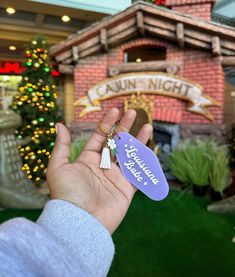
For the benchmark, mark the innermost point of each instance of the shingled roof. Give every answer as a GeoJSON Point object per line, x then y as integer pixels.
{"type": "Point", "coordinates": [146, 20]}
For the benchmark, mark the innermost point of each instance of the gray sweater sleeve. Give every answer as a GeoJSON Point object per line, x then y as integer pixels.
{"type": "Point", "coordinates": [65, 241]}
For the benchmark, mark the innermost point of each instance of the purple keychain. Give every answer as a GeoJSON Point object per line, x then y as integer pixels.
{"type": "Point", "coordinates": [140, 166]}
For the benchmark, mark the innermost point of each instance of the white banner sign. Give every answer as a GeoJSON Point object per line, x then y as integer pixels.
{"type": "Point", "coordinates": [147, 83]}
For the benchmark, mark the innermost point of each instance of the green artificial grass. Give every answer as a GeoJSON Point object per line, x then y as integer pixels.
{"type": "Point", "coordinates": [176, 237]}
{"type": "Point", "coordinates": [11, 213]}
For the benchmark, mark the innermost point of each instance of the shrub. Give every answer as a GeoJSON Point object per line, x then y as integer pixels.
{"type": "Point", "coordinates": [191, 159]}
{"type": "Point", "coordinates": [219, 174]}
{"type": "Point", "coordinates": [200, 162]}
{"type": "Point", "coordinates": [179, 166]}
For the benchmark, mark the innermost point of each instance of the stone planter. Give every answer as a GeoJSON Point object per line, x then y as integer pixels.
{"type": "Point", "coordinates": [16, 190]}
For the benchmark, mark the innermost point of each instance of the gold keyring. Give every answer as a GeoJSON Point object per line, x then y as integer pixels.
{"type": "Point", "coordinates": [113, 130]}
{"type": "Point", "coordinates": [102, 129]}
{"type": "Point", "coordinates": [119, 126]}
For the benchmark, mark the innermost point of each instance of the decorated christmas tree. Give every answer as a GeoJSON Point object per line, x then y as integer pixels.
{"type": "Point", "coordinates": [35, 102]}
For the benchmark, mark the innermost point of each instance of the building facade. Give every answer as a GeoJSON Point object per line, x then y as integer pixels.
{"type": "Point", "coordinates": [168, 64]}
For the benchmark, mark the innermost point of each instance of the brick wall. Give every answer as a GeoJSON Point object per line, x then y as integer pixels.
{"type": "Point", "coordinates": [196, 10]}
{"type": "Point", "coordinates": [198, 66]}
{"type": "Point", "coordinates": [206, 70]}
{"type": "Point", "coordinates": [199, 8]}
{"type": "Point", "coordinates": [87, 73]}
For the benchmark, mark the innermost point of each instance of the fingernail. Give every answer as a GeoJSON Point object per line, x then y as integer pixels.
{"type": "Point", "coordinates": [56, 129]}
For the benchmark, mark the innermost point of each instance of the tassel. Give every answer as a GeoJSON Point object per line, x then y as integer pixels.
{"type": "Point", "coordinates": [105, 158]}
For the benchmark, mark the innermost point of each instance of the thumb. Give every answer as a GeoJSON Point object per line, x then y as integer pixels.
{"type": "Point", "coordinates": [61, 151]}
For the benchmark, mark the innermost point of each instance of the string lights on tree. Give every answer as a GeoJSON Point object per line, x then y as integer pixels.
{"type": "Point", "coordinates": [36, 103]}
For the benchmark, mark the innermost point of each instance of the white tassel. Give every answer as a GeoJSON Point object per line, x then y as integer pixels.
{"type": "Point", "coordinates": [105, 158]}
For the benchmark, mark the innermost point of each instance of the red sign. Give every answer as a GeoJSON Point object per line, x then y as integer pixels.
{"type": "Point", "coordinates": [15, 68]}
{"type": "Point", "coordinates": [10, 68]}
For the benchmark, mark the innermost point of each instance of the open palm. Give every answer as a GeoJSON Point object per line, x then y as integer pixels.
{"type": "Point", "coordinates": [104, 193]}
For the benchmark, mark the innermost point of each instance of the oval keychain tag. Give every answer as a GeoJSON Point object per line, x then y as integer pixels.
{"type": "Point", "coordinates": [140, 166]}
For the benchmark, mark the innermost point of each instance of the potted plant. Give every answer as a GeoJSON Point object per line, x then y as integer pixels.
{"type": "Point", "coordinates": [197, 157]}
{"type": "Point", "coordinates": [179, 166]}
{"type": "Point", "coordinates": [191, 163]}
{"type": "Point", "coordinates": [219, 174]}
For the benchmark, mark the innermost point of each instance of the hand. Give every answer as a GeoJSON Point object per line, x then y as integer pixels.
{"type": "Point", "coordinates": [104, 193]}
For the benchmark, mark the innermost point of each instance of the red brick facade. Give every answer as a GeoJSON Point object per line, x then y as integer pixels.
{"type": "Point", "coordinates": [198, 66]}
{"type": "Point", "coordinates": [200, 8]}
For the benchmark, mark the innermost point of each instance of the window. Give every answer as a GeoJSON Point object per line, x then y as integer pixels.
{"type": "Point", "coordinates": [144, 54]}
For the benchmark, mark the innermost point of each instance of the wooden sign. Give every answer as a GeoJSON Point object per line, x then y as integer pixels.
{"type": "Point", "coordinates": [147, 83]}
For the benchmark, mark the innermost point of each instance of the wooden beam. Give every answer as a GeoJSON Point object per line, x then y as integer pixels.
{"type": "Point", "coordinates": [195, 35]}
{"type": "Point", "coordinates": [227, 44]}
{"type": "Point", "coordinates": [162, 23]}
{"type": "Point", "coordinates": [75, 53]}
{"type": "Point", "coordinates": [160, 32]}
{"type": "Point", "coordinates": [140, 22]}
{"type": "Point", "coordinates": [194, 42]}
{"type": "Point", "coordinates": [123, 36]}
{"type": "Point", "coordinates": [215, 45]}
{"type": "Point", "coordinates": [63, 56]}
{"type": "Point", "coordinates": [122, 26]}
{"type": "Point", "coordinates": [195, 38]}
{"type": "Point", "coordinates": [170, 67]}
{"type": "Point", "coordinates": [90, 51]}
{"type": "Point", "coordinates": [180, 34]}
{"type": "Point", "coordinates": [228, 61]}
{"type": "Point", "coordinates": [112, 21]}
{"type": "Point", "coordinates": [67, 61]}
{"type": "Point", "coordinates": [89, 43]}
{"type": "Point", "coordinates": [170, 18]}
{"type": "Point", "coordinates": [104, 40]}
{"type": "Point", "coordinates": [66, 69]}
{"type": "Point", "coordinates": [202, 25]}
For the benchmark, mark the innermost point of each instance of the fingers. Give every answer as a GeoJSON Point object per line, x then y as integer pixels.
{"type": "Point", "coordinates": [96, 141]}
{"type": "Point", "coordinates": [98, 138]}
{"type": "Point", "coordinates": [62, 146]}
{"type": "Point", "coordinates": [127, 121]}
{"type": "Point", "coordinates": [145, 133]}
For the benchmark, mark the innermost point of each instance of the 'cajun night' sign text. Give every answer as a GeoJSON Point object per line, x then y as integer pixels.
{"type": "Point", "coordinates": [146, 83]}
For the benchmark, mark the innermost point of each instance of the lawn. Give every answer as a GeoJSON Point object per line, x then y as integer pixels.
{"type": "Point", "coordinates": [175, 237]}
